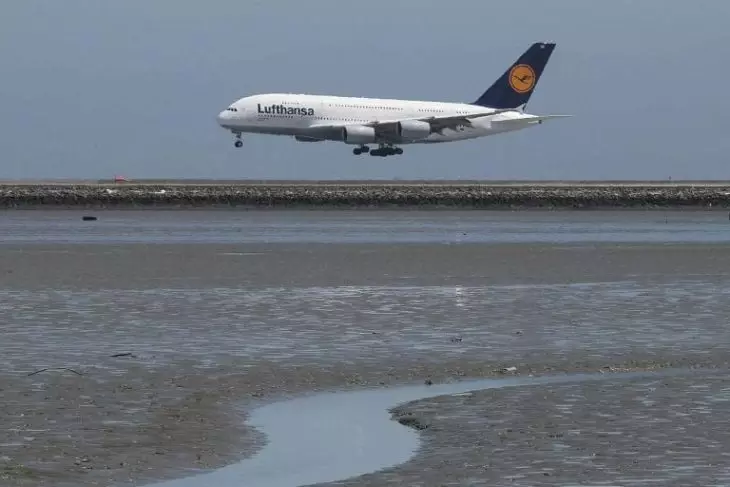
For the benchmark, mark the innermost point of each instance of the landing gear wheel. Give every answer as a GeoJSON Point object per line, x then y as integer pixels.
{"type": "Point", "coordinates": [238, 143]}
{"type": "Point", "coordinates": [384, 151]}
{"type": "Point", "coordinates": [365, 149]}
{"type": "Point", "coordinates": [357, 151]}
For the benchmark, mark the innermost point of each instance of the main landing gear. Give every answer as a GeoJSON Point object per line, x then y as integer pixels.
{"type": "Point", "coordinates": [239, 142]}
{"type": "Point", "coordinates": [382, 151]}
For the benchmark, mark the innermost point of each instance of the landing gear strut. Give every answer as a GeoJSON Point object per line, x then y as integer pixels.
{"type": "Point", "coordinates": [239, 142]}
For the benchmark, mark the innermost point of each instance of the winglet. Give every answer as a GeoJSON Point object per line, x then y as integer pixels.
{"type": "Point", "coordinates": [514, 88]}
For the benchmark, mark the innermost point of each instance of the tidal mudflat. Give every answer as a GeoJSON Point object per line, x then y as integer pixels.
{"type": "Point", "coordinates": [646, 431]}
{"type": "Point", "coordinates": [172, 346]}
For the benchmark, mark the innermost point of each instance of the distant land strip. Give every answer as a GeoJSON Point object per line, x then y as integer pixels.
{"type": "Point", "coordinates": [369, 193]}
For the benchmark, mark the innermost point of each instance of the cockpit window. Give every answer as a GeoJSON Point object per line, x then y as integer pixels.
{"type": "Point", "coordinates": [232, 109]}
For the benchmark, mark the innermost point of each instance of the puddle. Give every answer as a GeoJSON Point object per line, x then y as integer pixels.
{"type": "Point", "coordinates": [334, 436]}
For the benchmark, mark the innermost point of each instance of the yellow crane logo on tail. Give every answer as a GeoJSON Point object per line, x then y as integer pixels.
{"type": "Point", "coordinates": [522, 78]}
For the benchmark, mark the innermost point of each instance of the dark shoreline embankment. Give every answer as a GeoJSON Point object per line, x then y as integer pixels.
{"type": "Point", "coordinates": [485, 195]}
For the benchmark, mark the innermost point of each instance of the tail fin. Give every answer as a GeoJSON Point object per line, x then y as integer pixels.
{"type": "Point", "coordinates": [518, 83]}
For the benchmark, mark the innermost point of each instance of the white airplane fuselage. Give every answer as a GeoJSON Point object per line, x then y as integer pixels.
{"type": "Point", "coordinates": [389, 123]}
{"type": "Point", "coordinates": [307, 115]}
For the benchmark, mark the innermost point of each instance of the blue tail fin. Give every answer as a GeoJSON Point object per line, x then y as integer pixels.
{"type": "Point", "coordinates": [518, 83]}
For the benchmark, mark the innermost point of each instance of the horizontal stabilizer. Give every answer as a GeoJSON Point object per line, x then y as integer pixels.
{"type": "Point", "coordinates": [526, 120]}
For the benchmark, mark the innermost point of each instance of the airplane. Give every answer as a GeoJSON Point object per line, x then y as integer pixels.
{"type": "Point", "coordinates": [390, 123]}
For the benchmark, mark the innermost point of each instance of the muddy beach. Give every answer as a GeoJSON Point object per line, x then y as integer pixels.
{"type": "Point", "coordinates": [207, 332]}
{"type": "Point", "coordinates": [668, 430]}
{"type": "Point", "coordinates": [140, 427]}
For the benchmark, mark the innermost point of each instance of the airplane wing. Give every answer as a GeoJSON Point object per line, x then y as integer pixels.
{"type": "Point", "coordinates": [438, 123]}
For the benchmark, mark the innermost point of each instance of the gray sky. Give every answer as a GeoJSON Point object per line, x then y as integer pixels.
{"type": "Point", "coordinates": [95, 88]}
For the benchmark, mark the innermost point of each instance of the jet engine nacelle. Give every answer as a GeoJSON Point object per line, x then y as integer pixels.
{"type": "Point", "coordinates": [409, 130]}
{"type": "Point", "coordinates": [358, 134]}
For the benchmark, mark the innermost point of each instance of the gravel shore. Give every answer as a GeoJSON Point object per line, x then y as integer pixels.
{"type": "Point", "coordinates": [332, 195]}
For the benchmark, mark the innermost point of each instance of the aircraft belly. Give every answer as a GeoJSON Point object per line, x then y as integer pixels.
{"type": "Point", "coordinates": [270, 129]}
{"type": "Point", "coordinates": [273, 125]}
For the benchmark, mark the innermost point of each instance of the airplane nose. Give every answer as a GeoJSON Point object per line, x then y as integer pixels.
{"type": "Point", "coordinates": [223, 117]}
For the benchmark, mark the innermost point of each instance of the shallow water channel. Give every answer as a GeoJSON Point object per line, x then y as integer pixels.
{"type": "Point", "coordinates": [337, 435]}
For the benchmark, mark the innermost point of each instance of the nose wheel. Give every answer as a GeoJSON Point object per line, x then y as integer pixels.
{"type": "Point", "coordinates": [238, 143]}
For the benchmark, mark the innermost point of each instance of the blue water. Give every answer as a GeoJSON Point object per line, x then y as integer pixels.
{"type": "Point", "coordinates": [362, 226]}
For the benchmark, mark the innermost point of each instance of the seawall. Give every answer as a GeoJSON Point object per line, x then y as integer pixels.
{"type": "Point", "coordinates": [338, 194]}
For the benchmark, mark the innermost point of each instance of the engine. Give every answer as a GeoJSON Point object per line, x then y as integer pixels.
{"type": "Point", "coordinates": [410, 130]}
{"type": "Point", "coordinates": [304, 138]}
{"type": "Point", "coordinates": [358, 134]}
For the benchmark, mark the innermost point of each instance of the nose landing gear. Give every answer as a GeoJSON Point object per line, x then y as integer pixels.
{"type": "Point", "coordinates": [239, 142]}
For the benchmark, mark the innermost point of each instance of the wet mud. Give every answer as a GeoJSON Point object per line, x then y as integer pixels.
{"type": "Point", "coordinates": [202, 337]}
{"type": "Point", "coordinates": [65, 429]}
{"type": "Point", "coordinates": [648, 431]}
